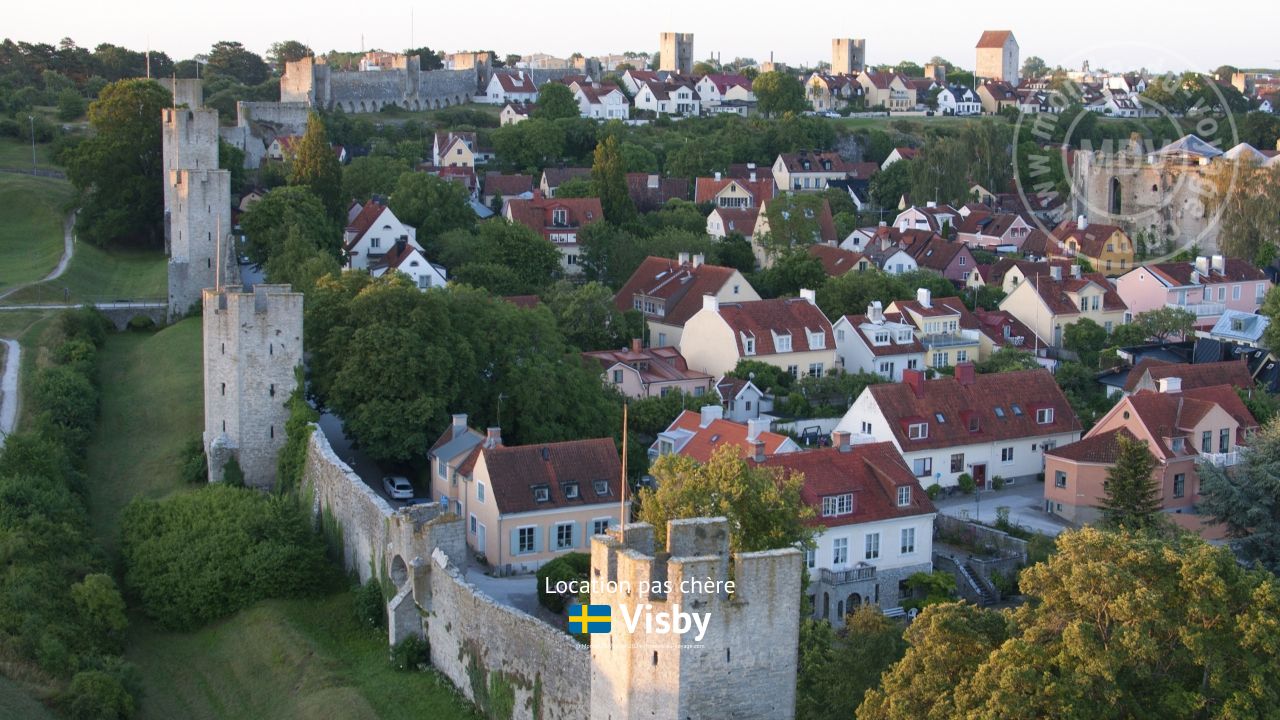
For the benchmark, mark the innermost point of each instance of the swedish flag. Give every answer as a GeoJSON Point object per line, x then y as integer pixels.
{"type": "Point", "coordinates": [590, 618]}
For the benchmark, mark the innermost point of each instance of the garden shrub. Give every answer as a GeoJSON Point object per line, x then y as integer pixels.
{"type": "Point", "coordinates": [411, 653]}
{"type": "Point", "coordinates": [567, 567]}
{"type": "Point", "coordinates": [370, 604]}
{"type": "Point", "coordinates": [966, 484]}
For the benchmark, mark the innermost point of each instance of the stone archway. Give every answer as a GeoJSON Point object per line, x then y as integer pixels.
{"type": "Point", "coordinates": [399, 571]}
{"type": "Point", "coordinates": [1114, 197]}
{"type": "Point", "coordinates": [854, 601]}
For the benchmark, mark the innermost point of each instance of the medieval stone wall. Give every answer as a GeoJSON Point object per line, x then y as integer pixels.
{"type": "Point", "coordinates": [189, 141]}
{"type": "Point", "coordinates": [198, 224]}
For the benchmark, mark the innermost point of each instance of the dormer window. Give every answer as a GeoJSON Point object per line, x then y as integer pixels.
{"type": "Point", "coordinates": [833, 505]}
{"type": "Point", "coordinates": [904, 496]}
{"type": "Point", "coordinates": [560, 216]}
{"type": "Point", "coordinates": [904, 336]}
{"type": "Point", "coordinates": [1044, 416]}
{"type": "Point", "coordinates": [749, 346]}
{"type": "Point", "coordinates": [601, 487]}
{"type": "Point", "coordinates": [918, 431]}
{"type": "Point", "coordinates": [940, 418]}
{"type": "Point", "coordinates": [541, 493]}
{"type": "Point", "coordinates": [571, 491]}
{"type": "Point", "coordinates": [974, 424]}
{"type": "Point", "coordinates": [881, 338]}
{"type": "Point", "coordinates": [817, 340]}
{"type": "Point", "coordinates": [783, 342]}
{"type": "Point", "coordinates": [1178, 444]}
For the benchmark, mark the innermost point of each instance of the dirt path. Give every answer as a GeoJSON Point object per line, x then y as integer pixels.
{"type": "Point", "coordinates": [9, 388]}
{"type": "Point", "coordinates": [68, 251]}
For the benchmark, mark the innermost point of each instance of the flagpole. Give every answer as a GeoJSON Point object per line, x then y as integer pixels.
{"type": "Point", "coordinates": [622, 511]}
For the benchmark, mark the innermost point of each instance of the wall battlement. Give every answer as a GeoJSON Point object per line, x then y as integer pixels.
{"type": "Point", "coordinates": [189, 141]}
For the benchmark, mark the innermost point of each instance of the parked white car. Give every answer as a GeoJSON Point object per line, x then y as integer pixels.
{"type": "Point", "coordinates": [399, 488]}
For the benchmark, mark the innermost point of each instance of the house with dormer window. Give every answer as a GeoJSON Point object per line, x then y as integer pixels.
{"type": "Point", "coordinates": [946, 329]}
{"type": "Point", "coordinates": [734, 193]}
{"type": "Point", "coordinates": [1047, 305]}
{"type": "Point", "coordinates": [809, 171]}
{"type": "Point", "coordinates": [875, 343]}
{"type": "Point", "coordinates": [874, 524]}
{"type": "Point", "coordinates": [701, 434]}
{"type": "Point", "coordinates": [1107, 248]}
{"type": "Point", "coordinates": [667, 292]}
{"type": "Point", "coordinates": [979, 425]}
{"type": "Point", "coordinates": [409, 261]}
{"type": "Point", "coordinates": [789, 333]}
{"type": "Point", "coordinates": [559, 220]}
{"type": "Point", "coordinates": [669, 97]}
{"type": "Point", "coordinates": [372, 233]}
{"type": "Point", "coordinates": [1003, 232]}
{"type": "Point", "coordinates": [641, 372]}
{"type": "Point", "coordinates": [1207, 287]}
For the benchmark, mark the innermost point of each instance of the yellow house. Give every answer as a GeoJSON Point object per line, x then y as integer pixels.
{"type": "Point", "coordinates": [1106, 247]}
{"type": "Point", "coordinates": [1048, 304]}
{"type": "Point", "coordinates": [943, 325]}
{"type": "Point", "coordinates": [454, 149]}
{"type": "Point", "coordinates": [789, 333]}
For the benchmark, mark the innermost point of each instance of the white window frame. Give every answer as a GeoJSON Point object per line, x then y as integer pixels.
{"type": "Point", "coordinates": [904, 495]}
{"type": "Point", "coordinates": [839, 552]}
{"type": "Point", "coordinates": [871, 545]}
{"type": "Point", "coordinates": [908, 544]}
{"type": "Point", "coordinates": [533, 540]}
{"type": "Point", "coordinates": [918, 431]}
{"type": "Point", "coordinates": [595, 525]}
{"type": "Point", "coordinates": [1044, 416]}
{"type": "Point", "coordinates": [480, 492]}
{"type": "Point", "coordinates": [1006, 455]}
{"type": "Point", "coordinates": [833, 505]}
{"type": "Point", "coordinates": [556, 528]}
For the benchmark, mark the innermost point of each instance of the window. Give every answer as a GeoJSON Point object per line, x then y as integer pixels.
{"type": "Point", "coordinates": [962, 356]}
{"type": "Point", "coordinates": [1235, 292]}
{"type": "Point", "coordinates": [601, 487]}
{"type": "Point", "coordinates": [815, 369]}
{"type": "Point", "coordinates": [1179, 485]}
{"type": "Point", "coordinates": [1178, 444]}
{"type": "Point", "coordinates": [662, 339]}
{"type": "Point", "coordinates": [817, 341]}
{"type": "Point", "coordinates": [571, 491]}
{"type": "Point", "coordinates": [866, 428]}
{"type": "Point", "coordinates": [1259, 292]}
{"type": "Point", "coordinates": [1084, 304]}
{"type": "Point", "coordinates": [913, 364]}
{"type": "Point", "coordinates": [473, 524]}
{"type": "Point", "coordinates": [1006, 455]}
{"type": "Point", "coordinates": [1016, 408]}
{"type": "Point", "coordinates": [999, 412]}
{"type": "Point", "coordinates": [810, 558]}
{"type": "Point", "coordinates": [617, 377]}
{"type": "Point", "coordinates": [922, 467]}
{"type": "Point", "coordinates": [1059, 479]}
{"type": "Point", "coordinates": [749, 346]}
{"type": "Point", "coordinates": [564, 536]}
{"type": "Point", "coordinates": [600, 526]}
{"type": "Point", "coordinates": [918, 431]}
{"type": "Point", "coordinates": [441, 469]}
{"type": "Point", "coordinates": [559, 217]}
{"type": "Point", "coordinates": [541, 493]}
{"type": "Point", "coordinates": [1222, 293]}
{"type": "Point", "coordinates": [375, 242]}
{"type": "Point", "coordinates": [873, 546]}
{"type": "Point", "coordinates": [1097, 299]}
{"type": "Point", "coordinates": [837, 505]}
{"type": "Point", "coordinates": [840, 336]}
{"type": "Point", "coordinates": [1206, 441]}
{"type": "Point", "coordinates": [904, 496]}
{"type": "Point", "coordinates": [908, 541]}
{"type": "Point", "coordinates": [784, 343]}
{"type": "Point", "coordinates": [1107, 326]}
{"type": "Point", "coordinates": [940, 359]}
{"type": "Point", "coordinates": [479, 492]}
{"type": "Point", "coordinates": [793, 370]}
{"type": "Point", "coordinates": [1224, 440]}
{"type": "Point", "coordinates": [886, 369]}
{"type": "Point", "coordinates": [525, 539]}
{"type": "Point", "coordinates": [839, 551]}
{"type": "Point", "coordinates": [957, 462]}
{"type": "Point", "coordinates": [735, 289]}
{"type": "Point", "coordinates": [881, 338]}
{"type": "Point", "coordinates": [1044, 416]}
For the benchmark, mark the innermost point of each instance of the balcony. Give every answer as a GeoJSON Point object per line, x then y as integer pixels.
{"type": "Point", "coordinates": [1199, 309]}
{"type": "Point", "coordinates": [1226, 459]}
{"type": "Point", "coordinates": [858, 573]}
{"type": "Point", "coordinates": [941, 340]}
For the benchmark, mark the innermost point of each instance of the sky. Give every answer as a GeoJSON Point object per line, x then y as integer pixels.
{"type": "Point", "coordinates": [1165, 36]}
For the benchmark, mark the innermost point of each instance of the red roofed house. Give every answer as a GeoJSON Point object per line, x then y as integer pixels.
{"type": "Point", "coordinates": [1148, 374]}
{"type": "Point", "coordinates": [789, 333]}
{"type": "Point", "coordinates": [944, 326]}
{"type": "Point", "coordinates": [987, 230]}
{"type": "Point", "coordinates": [602, 102]}
{"type": "Point", "coordinates": [506, 187]}
{"type": "Point", "coordinates": [1106, 247]}
{"type": "Point", "coordinates": [699, 434]}
{"type": "Point", "coordinates": [408, 260]}
{"type": "Point", "coordinates": [807, 171]}
{"type": "Point", "coordinates": [1207, 287]}
{"type": "Point", "coordinates": [1048, 304]}
{"type": "Point", "coordinates": [899, 153]}
{"type": "Point", "coordinates": [650, 191]}
{"type": "Point", "coordinates": [669, 97]}
{"type": "Point", "coordinates": [980, 425]}
{"type": "Point", "coordinates": [952, 260]}
{"type": "Point", "coordinates": [641, 372]}
{"type": "Point", "coordinates": [1180, 427]}
{"type": "Point", "coordinates": [722, 222]}
{"type": "Point", "coordinates": [1002, 330]}
{"type": "Point", "coordinates": [876, 343]}
{"type": "Point", "coordinates": [737, 193]}
{"type": "Point", "coordinates": [529, 504]}
{"type": "Point", "coordinates": [553, 178]}
{"type": "Point", "coordinates": [372, 234]}
{"type": "Point", "coordinates": [508, 86]}
{"type": "Point", "coordinates": [718, 88]}
{"type": "Point", "coordinates": [558, 220]}
{"type": "Point", "coordinates": [836, 261]}
{"type": "Point", "coordinates": [996, 95]}
{"type": "Point", "coordinates": [889, 91]}
{"type": "Point", "coordinates": [875, 525]}
{"type": "Point", "coordinates": [669, 292]}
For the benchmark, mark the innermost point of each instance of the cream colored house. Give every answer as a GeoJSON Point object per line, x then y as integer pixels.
{"type": "Point", "coordinates": [669, 292]}
{"type": "Point", "coordinates": [789, 333]}
{"type": "Point", "coordinates": [1048, 304]}
{"type": "Point", "coordinates": [944, 327]}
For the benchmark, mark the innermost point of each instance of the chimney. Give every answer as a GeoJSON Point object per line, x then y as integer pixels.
{"type": "Point", "coordinates": [755, 426]}
{"type": "Point", "coordinates": [840, 438]}
{"type": "Point", "coordinates": [717, 176]}
{"type": "Point", "coordinates": [757, 449]}
{"type": "Point", "coordinates": [924, 297]}
{"type": "Point", "coordinates": [1075, 271]}
{"type": "Point", "coordinates": [710, 413]}
{"type": "Point", "coordinates": [915, 380]}
{"type": "Point", "coordinates": [459, 424]}
{"type": "Point", "coordinates": [699, 260]}
{"type": "Point", "coordinates": [875, 312]}
{"type": "Point", "coordinates": [808, 296]}
{"type": "Point", "coordinates": [683, 258]}
{"type": "Point", "coordinates": [1202, 265]}
{"type": "Point", "coordinates": [1219, 263]}
{"type": "Point", "coordinates": [1055, 272]}
{"type": "Point", "coordinates": [493, 437]}
{"type": "Point", "coordinates": [635, 345]}
{"type": "Point", "coordinates": [1171, 385]}
{"type": "Point", "coordinates": [882, 223]}
{"type": "Point", "coordinates": [964, 373]}
{"type": "Point", "coordinates": [711, 302]}
{"type": "Point", "coordinates": [1082, 222]}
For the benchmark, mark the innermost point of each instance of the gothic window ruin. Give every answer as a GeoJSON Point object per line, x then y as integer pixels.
{"type": "Point", "coordinates": [1114, 204]}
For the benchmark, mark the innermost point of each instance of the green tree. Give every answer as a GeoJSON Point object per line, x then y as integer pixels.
{"type": "Point", "coordinates": [1271, 308]}
{"type": "Point", "coordinates": [431, 204]}
{"type": "Point", "coordinates": [102, 611]}
{"type": "Point", "coordinates": [763, 505]}
{"type": "Point", "coordinates": [555, 101]}
{"type": "Point", "coordinates": [588, 318]}
{"type": "Point", "coordinates": [1260, 129]}
{"type": "Point", "coordinates": [793, 270]}
{"type": "Point", "coordinates": [232, 60]}
{"type": "Point", "coordinates": [300, 262]}
{"type": "Point", "coordinates": [609, 182]}
{"type": "Point", "coordinates": [1131, 495]}
{"type": "Point", "coordinates": [1246, 498]}
{"type": "Point", "coordinates": [287, 51]}
{"type": "Point", "coordinates": [575, 187]}
{"type": "Point", "coordinates": [1007, 359]}
{"type": "Point", "coordinates": [697, 157]}
{"type": "Point", "coordinates": [231, 159]}
{"type": "Point", "coordinates": [267, 223]}
{"type": "Point", "coordinates": [868, 645]}
{"type": "Point", "coordinates": [889, 185]}
{"type": "Point", "coordinates": [1164, 322]}
{"type": "Point", "coordinates": [1245, 195]}
{"type": "Point", "coordinates": [1086, 339]}
{"type": "Point", "coordinates": [1033, 67]}
{"type": "Point", "coordinates": [115, 170]}
{"type": "Point", "coordinates": [71, 105]}
{"type": "Point", "coordinates": [778, 93]}
{"type": "Point", "coordinates": [940, 171]}
{"type": "Point", "coordinates": [769, 378]}
{"type": "Point", "coordinates": [371, 175]}
{"type": "Point", "coordinates": [794, 222]}
{"type": "Point", "coordinates": [638, 158]}
{"type": "Point", "coordinates": [529, 146]}
{"type": "Point", "coordinates": [316, 167]}
{"type": "Point", "coordinates": [851, 293]}
{"type": "Point", "coordinates": [505, 258]}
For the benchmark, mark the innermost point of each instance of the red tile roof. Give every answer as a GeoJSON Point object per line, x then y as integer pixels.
{"type": "Point", "coordinates": [1103, 448]}
{"type": "Point", "coordinates": [937, 253]}
{"type": "Point", "coordinates": [650, 191]}
{"type": "Point", "coordinates": [739, 220]}
{"type": "Point", "coordinates": [724, 81]}
{"type": "Point", "coordinates": [1172, 415]}
{"type": "Point", "coordinates": [706, 189]}
{"type": "Point", "coordinates": [994, 38]}
{"type": "Point", "coordinates": [894, 347]}
{"type": "Point", "coordinates": [1028, 268]}
{"type": "Point", "coordinates": [761, 318]}
{"type": "Point", "coordinates": [367, 216]}
{"type": "Point", "coordinates": [523, 301]}
{"type": "Point", "coordinates": [1233, 372]}
{"type": "Point", "coordinates": [1092, 240]}
{"type": "Point", "coordinates": [514, 472]}
{"type": "Point", "coordinates": [655, 364]}
{"type": "Point", "coordinates": [1005, 330]}
{"type": "Point", "coordinates": [720, 433]}
{"type": "Point", "coordinates": [806, 162]}
{"type": "Point", "coordinates": [680, 286]}
{"type": "Point", "coordinates": [835, 261]}
{"type": "Point", "coordinates": [538, 214]}
{"type": "Point", "coordinates": [516, 82]}
{"type": "Point", "coordinates": [872, 472]}
{"type": "Point", "coordinates": [960, 403]}
{"type": "Point", "coordinates": [1055, 297]}
{"type": "Point", "coordinates": [1182, 274]}
{"type": "Point", "coordinates": [499, 184]}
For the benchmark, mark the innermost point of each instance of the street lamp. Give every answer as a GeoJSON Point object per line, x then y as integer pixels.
{"type": "Point", "coordinates": [32, 118]}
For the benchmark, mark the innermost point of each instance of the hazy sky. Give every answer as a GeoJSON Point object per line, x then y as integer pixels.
{"type": "Point", "coordinates": [1175, 34]}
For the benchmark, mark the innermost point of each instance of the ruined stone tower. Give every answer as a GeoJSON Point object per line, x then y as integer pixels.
{"type": "Point", "coordinates": [675, 52]}
{"type": "Point", "coordinates": [189, 141]}
{"type": "Point", "coordinates": [745, 664]}
{"type": "Point", "coordinates": [200, 244]}
{"type": "Point", "coordinates": [848, 55]}
{"type": "Point", "coordinates": [252, 343]}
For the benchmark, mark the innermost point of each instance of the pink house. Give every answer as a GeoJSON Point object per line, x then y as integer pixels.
{"type": "Point", "coordinates": [1205, 287]}
{"type": "Point", "coordinates": [986, 230]}
{"type": "Point", "coordinates": [640, 372]}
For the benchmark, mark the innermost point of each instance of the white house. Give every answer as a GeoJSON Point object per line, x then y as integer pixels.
{"type": "Point", "coordinates": [958, 100]}
{"type": "Point", "coordinates": [409, 260]}
{"type": "Point", "coordinates": [372, 234]}
{"type": "Point", "coordinates": [998, 424]}
{"type": "Point", "coordinates": [742, 400]}
{"type": "Point", "coordinates": [505, 87]}
{"type": "Point", "coordinates": [718, 88]}
{"type": "Point", "coordinates": [604, 102]}
{"type": "Point", "coordinates": [875, 524]}
{"type": "Point", "coordinates": [877, 344]}
{"type": "Point", "coordinates": [788, 333]}
{"type": "Point", "coordinates": [668, 98]}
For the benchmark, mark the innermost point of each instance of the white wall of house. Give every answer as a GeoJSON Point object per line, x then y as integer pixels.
{"type": "Point", "coordinates": [379, 238]}
{"type": "Point", "coordinates": [854, 356]}
{"type": "Point", "coordinates": [890, 553]}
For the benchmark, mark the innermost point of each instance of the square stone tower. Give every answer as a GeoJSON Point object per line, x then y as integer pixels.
{"type": "Point", "coordinates": [848, 55]}
{"type": "Point", "coordinates": [252, 343]}
{"type": "Point", "coordinates": [199, 228]}
{"type": "Point", "coordinates": [675, 52]}
{"type": "Point", "coordinates": [743, 667]}
{"type": "Point", "coordinates": [998, 56]}
{"type": "Point", "coordinates": [189, 141]}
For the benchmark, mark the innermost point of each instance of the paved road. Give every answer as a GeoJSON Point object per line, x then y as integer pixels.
{"type": "Point", "coordinates": [1025, 501]}
{"type": "Point", "coordinates": [9, 388]}
{"type": "Point", "coordinates": [367, 469]}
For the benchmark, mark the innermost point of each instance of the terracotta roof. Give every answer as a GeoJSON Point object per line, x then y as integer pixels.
{"type": "Point", "coordinates": [763, 188]}
{"type": "Point", "coordinates": [523, 301]}
{"type": "Point", "coordinates": [724, 81]}
{"type": "Point", "coordinates": [1040, 244]}
{"type": "Point", "coordinates": [1005, 330]}
{"type": "Point", "coordinates": [990, 225]}
{"type": "Point", "coordinates": [804, 161]}
{"type": "Point", "coordinates": [1092, 240]}
{"type": "Point", "coordinates": [1170, 415]}
{"type": "Point", "coordinates": [937, 253]}
{"type": "Point", "coordinates": [1000, 90]}
{"type": "Point", "coordinates": [514, 472]}
{"type": "Point", "coordinates": [367, 216]}
{"type": "Point", "coordinates": [399, 251]}
{"type": "Point", "coordinates": [762, 318]}
{"type": "Point", "coordinates": [739, 220]}
{"type": "Point", "coordinates": [894, 347]}
{"type": "Point", "coordinates": [906, 153]}
{"type": "Point", "coordinates": [499, 184]}
{"type": "Point", "coordinates": [1103, 448]}
{"type": "Point", "coordinates": [520, 107]}
{"type": "Point", "coordinates": [596, 94]}
{"type": "Point", "coordinates": [959, 404]}
{"type": "Point", "coordinates": [555, 177]}
{"type": "Point", "coordinates": [835, 261]}
{"type": "Point", "coordinates": [882, 80]}
{"type": "Point", "coordinates": [516, 82]}
{"type": "Point", "coordinates": [994, 38]}
{"type": "Point", "coordinates": [681, 286]}
{"type": "Point", "coordinates": [1182, 274]}
{"type": "Point", "coordinates": [655, 364]}
{"type": "Point", "coordinates": [538, 214]}
{"type": "Point", "coordinates": [862, 170]}
{"type": "Point", "coordinates": [729, 387]}
{"type": "Point", "coordinates": [1233, 372]}
{"type": "Point", "coordinates": [872, 472]}
{"type": "Point", "coordinates": [703, 441]}
{"type": "Point", "coordinates": [1055, 297]}
{"type": "Point", "coordinates": [1028, 268]}
{"type": "Point", "coordinates": [650, 191]}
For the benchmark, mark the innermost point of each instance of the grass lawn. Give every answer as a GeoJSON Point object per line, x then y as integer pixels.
{"type": "Point", "coordinates": [884, 123]}
{"type": "Point", "coordinates": [32, 210]}
{"type": "Point", "coordinates": [97, 275]}
{"type": "Point", "coordinates": [18, 705]}
{"type": "Point", "coordinates": [16, 153]}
